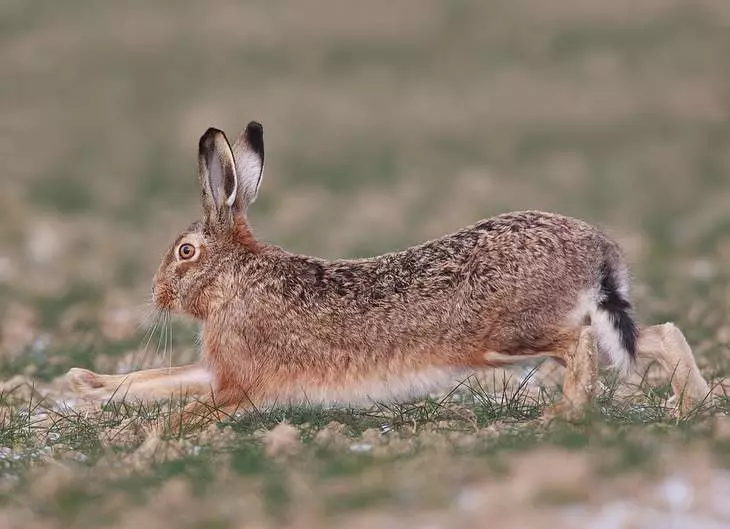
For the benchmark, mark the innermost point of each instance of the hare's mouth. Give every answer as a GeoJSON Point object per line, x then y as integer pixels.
{"type": "Point", "coordinates": [162, 297]}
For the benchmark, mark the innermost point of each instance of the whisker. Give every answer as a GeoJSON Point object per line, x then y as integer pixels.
{"type": "Point", "coordinates": [156, 329]}
{"type": "Point", "coordinates": [166, 330]}
{"type": "Point", "coordinates": [151, 332]}
{"type": "Point", "coordinates": [172, 345]}
{"type": "Point", "coordinates": [166, 337]}
{"type": "Point", "coordinates": [163, 334]}
{"type": "Point", "coordinates": [148, 312]}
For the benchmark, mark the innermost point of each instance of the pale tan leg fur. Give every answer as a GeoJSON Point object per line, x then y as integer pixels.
{"type": "Point", "coordinates": [581, 378]}
{"type": "Point", "coordinates": [666, 345]}
{"type": "Point", "coordinates": [151, 384]}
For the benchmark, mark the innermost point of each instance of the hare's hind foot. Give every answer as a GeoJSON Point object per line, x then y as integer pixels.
{"type": "Point", "coordinates": [562, 411]}
{"type": "Point", "coordinates": [666, 345]}
{"type": "Point", "coordinates": [580, 381]}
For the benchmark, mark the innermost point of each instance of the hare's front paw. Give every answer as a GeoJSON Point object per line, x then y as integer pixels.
{"type": "Point", "coordinates": [84, 382]}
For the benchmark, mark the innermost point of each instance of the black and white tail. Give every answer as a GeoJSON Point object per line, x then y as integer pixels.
{"type": "Point", "coordinates": [612, 319]}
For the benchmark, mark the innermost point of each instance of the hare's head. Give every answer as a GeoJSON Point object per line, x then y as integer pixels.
{"type": "Point", "coordinates": [229, 178]}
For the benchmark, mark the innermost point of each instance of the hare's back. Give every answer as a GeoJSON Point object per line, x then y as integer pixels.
{"type": "Point", "coordinates": [504, 259]}
{"type": "Point", "coordinates": [533, 245]}
{"type": "Point", "coordinates": [503, 277]}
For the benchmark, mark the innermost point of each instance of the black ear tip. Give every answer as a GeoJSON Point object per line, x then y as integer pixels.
{"type": "Point", "coordinates": [254, 127]}
{"type": "Point", "coordinates": [207, 140]}
{"type": "Point", "coordinates": [255, 137]}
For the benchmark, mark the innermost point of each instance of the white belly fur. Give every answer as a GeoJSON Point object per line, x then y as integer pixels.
{"type": "Point", "coordinates": [388, 388]}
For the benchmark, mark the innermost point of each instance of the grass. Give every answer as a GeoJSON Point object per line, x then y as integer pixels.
{"type": "Point", "coordinates": [356, 466]}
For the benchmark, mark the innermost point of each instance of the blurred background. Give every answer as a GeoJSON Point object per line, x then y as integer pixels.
{"type": "Point", "coordinates": [386, 123]}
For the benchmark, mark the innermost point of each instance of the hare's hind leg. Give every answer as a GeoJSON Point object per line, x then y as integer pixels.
{"type": "Point", "coordinates": [581, 377]}
{"type": "Point", "coordinates": [666, 345]}
{"type": "Point", "coordinates": [148, 384]}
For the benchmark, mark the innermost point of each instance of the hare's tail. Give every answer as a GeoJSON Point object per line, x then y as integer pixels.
{"type": "Point", "coordinates": [612, 319]}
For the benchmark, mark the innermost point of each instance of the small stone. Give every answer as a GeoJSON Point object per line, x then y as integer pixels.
{"type": "Point", "coordinates": [722, 427]}
{"type": "Point", "coordinates": [677, 493]}
{"type": "Point", "coordinates": [283, 439]}
{"type": "Point", "coordinates": [332, 434]}
{"type": "Point", "coordinates": [361, 448]}
{"type": "Point", "coordinates": [18, 329]}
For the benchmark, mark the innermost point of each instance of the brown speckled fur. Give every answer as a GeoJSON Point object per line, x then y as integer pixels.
{"type": "Point", "coordinates": [489, 287]}
{"type": "Point", "coordinates": [282, 327]}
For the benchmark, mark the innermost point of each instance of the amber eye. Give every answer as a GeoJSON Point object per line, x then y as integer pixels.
{"type": "Point", "coordinates": [186, 251]}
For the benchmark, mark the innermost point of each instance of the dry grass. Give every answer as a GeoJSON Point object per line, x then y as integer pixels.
{"type": "Point", "coordinates": [386, 123]}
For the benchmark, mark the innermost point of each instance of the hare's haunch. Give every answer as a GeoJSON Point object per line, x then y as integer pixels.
{"type": "Point", "coordinates": [287, 328]}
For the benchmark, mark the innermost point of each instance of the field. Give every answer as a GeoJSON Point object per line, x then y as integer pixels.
{"type": "Point", "coordinates": [387, 123]}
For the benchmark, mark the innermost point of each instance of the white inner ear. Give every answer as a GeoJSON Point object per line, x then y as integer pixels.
{"type": "Point", "coordinates": [249, 166]}
{"type": "Point", "coordinates": [215, 177]}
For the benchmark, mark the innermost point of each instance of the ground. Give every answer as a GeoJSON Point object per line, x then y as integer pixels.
{"type": "Point", "coordinates": [387, 123]}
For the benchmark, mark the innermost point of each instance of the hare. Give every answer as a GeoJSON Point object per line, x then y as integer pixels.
{"type": "Point", "coordinates": [285, 328]}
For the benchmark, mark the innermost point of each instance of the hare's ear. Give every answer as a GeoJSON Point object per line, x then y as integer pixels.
{"type": "Point", "coordinates": [217, 174]}
{"type": "Point", "coordinates": [248, 152]}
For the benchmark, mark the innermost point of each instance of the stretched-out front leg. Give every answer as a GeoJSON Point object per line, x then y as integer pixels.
{"type": "Point", "coordinates": [214, 407]}
{"type": "Point", "coordinates": [150, 384]}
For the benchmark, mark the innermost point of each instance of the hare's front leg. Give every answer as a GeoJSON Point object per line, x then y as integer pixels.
{"type": "Point", "coordinates": [214, 407]}
{"type": "Point", "coordinates": [581, 378]}
{"type": "Point", "coordinates": [150, 384]}
{"type": "Point", "coordinates": [666, 345]}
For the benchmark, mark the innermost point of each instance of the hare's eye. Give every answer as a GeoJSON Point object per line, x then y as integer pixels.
{"type": "Point", "coordinates": [186, 251]}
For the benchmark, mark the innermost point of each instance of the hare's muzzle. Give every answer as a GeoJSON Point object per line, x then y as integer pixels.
{"type": "Point", "coordinates": [162, 297]}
